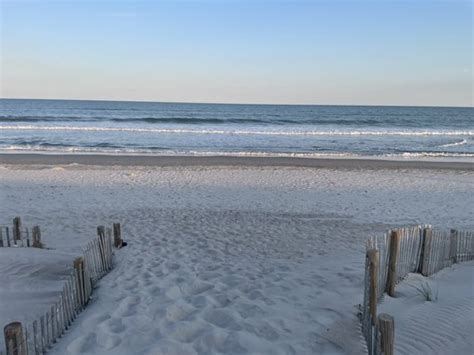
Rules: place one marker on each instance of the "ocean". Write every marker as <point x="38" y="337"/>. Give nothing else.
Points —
<point x="119" y="127"/>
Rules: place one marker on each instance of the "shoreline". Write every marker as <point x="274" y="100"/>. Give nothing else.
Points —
<point x="179" y="161"/>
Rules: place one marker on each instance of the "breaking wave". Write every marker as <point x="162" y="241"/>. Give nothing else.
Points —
<point x="246" y="132"/>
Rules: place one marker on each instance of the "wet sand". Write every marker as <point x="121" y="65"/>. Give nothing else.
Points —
<point x="162" y="161"/>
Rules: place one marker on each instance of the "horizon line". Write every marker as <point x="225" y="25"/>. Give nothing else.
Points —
<point x="235" y="103"/>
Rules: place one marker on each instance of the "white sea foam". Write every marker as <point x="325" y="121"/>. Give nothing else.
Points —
<point x="245" y="132"/>
<point x="464" y="141"/>
<point x="433" y="154"/>
<point x="135" y="151"/>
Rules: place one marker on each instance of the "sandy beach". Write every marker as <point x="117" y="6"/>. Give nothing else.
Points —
<point x="258" y="257"/>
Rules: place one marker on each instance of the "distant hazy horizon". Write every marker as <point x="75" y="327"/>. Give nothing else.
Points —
<point x="231" y="103"/>
<point x="375" y="53"/>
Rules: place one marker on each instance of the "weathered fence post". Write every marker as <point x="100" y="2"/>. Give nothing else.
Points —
<point x="453" y="245"/>
<point x="14" y="341"/>
<point x="54" y="325"/>
<point x="386" y="326"/>
<point x="425" y="263"/>
<point x="61" y="314"/>
<point x="47" y="319"/>
<point x="16" y="229"/>
<point x="42" y="335"/>
<point x="117" y="235"/>
<point x="35" y="338"/>
<point x="373" y="257"/>
<point x="392" y="266"/>
<point x="79" y="267"/>
<point x="36" y="236"/>
<point x="8" y="237"/>
<point x="101" y="234"/>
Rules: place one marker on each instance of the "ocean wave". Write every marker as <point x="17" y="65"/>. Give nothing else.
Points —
<point x="259" y="120"/>
<point x="433" y="154"/>
<point x="336" y="154"/>
<point x="464" y="141"/>
<point x="44" y="118"/>
<point x="170" y="152"/>
<point x="267" y="119"/>
<point x="96" y="147"/>
<point x="150" y="120"/>
<point x="244" y="132"/>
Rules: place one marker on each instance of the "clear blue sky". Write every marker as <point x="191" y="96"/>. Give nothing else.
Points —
<point x="413" y="52"/>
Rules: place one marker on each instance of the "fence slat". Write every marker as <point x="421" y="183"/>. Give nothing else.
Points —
<point x="117" y="235"/>
<point x="61" y="314"/>
<point x="427" y="241"/>
<point x="16" y="229"/>
<point x="14" y="339"/>
<point x="35" y="337"/>
<point x="68" y="303"/>
<point x="37" y="237"/>
<point x="42" y="336"/>
<point x="386" y="327"/>
<point x="26" y="341"/>
<point x="72" y="294"/>
<point x="53" y="323"/>
<point x="392" y="269"/>
<point x="8" y="237"/>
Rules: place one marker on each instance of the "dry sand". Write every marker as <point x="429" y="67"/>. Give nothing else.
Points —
<point x="229" y="259"/>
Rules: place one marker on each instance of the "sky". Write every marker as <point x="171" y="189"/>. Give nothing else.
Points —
<point x="372" y="52"/>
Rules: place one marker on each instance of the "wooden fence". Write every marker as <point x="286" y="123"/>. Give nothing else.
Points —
<point x="39" y="335"/>
<point x="390" y="258"/>
<point x="18" y="236"/>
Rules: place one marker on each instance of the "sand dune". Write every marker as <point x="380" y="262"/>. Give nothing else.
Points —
<point x="443" y="326"/>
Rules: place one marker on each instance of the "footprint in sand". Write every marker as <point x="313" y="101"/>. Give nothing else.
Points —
<point x="179" y="311"/>
<point x="112" y="325"/>
<point x="198" y="288"/>
<point x="146" y="275"/>
<point x="167" y="347"/>
<point x="153" y="290"/>
<point x="262" y="330"/>
<point x="173" y="266"/>
<point x="199" y="301"/>
<point x="254" y="295"/>
<point x="221" y="300"/>
<point x="187" y="332"/>
<point x="222" y="319"/>
<point x="127" y="307"/>
<point x="92" y="321"/>
<point x="108" y="341"/>
<point x="130" y="285"/>
<point x="173" y="292"/>
<point x="232" y="281"/>
<point x="82" y="344"/>
<point x="247" y="310"/>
